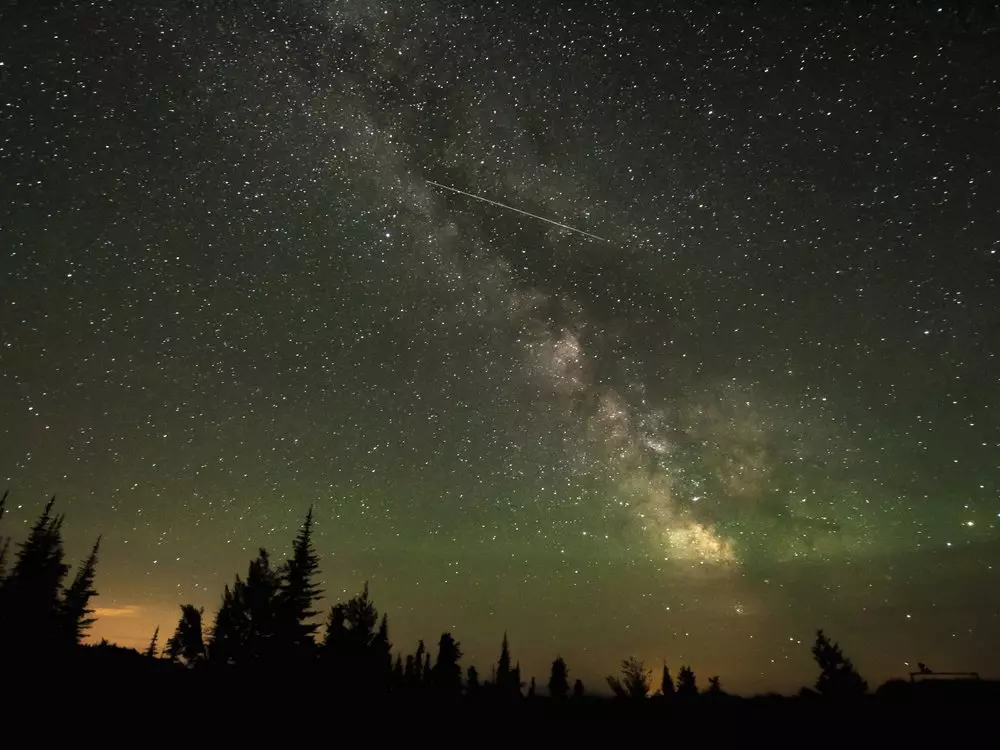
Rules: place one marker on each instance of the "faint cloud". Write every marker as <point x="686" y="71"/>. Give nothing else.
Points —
<point x="129" y="610"/>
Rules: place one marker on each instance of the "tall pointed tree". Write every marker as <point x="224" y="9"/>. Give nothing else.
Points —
<point x="4" y="541"/>
<point x="559" y="679"/>
<point x="418" y="664"/>
<point x="666" y="682"/>
<point x="153" y="648"/>
<point x="76" y="609"/>
<point x="31" y="615"/>
<point x="837" y="678"/>
<point x="446" y="675"/>
<point x="187" y="644"/>
<point x="300" y="592"/>
<point x="508" y="679"/>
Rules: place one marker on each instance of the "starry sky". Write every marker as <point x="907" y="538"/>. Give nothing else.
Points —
<point x="766" y="401"/>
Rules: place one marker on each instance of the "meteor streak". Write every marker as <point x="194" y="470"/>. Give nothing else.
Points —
<point x="526" y="213"/>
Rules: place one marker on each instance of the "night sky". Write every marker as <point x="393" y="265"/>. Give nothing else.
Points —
<point x="766" y="402"/>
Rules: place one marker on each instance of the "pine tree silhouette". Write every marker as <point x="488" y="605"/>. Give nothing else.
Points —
<point x="244" y="630"/>
<point x="634" y="683"/>
<point x="531" y="688"/>
<point x="508" y="679"/>
<point x="837" y="677"/>
<point x="186" y="645"/>
<point x="4" y="542"/>
<point x="472" y="681"/>
<point x="714" y="686"/>
<point x="559" y="679"/>
<point x="397" y="672"/>
<point x="31" y="616"/>
<point x="300" y="592"/>
<point x="353" y="649"/>
<point x="686" y="683"/>
<point x="418" y="665"/>
<point x="228" y="630"/>
<point x="578" y="689"/>
<point x="446" y="675"/>
<point x="153" y="647"/>
<point x="666" y="683"/>
<point x="76" y="609"/>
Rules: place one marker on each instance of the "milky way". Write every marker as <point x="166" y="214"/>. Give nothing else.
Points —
<point x="765" y="403"/>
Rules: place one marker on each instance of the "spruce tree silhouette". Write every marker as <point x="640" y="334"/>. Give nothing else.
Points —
<point x="578" y="689"/>
<point x="4" y="541"/>
<point x="244" y="630"/>
<point x="472" y="681"/>
<point x="446" y="676"/>
<point x="714" y="686"/>
<point x="353" y="650"/>
<point x="228" y="636"/>
<point x="418" y="665"/>
<point x="299" y="594"/>
<point x="153" y="648"/>
<point x="634" y="683"/>
<point x="428" y="671"/>
<point x="559" y="679"/>
<point x="687" y="686"/>
<point x="382" y="651"/>
<point x="531" y="688"/>
<point x="187" y="645"/>
<point x="505" y="680"/>
<point x="31" y="618"/>
<point x="76" y="611"/>
<point x="397" y="673"/>
<point x="837" y="677"/>
<point x="409" y="672"/>
<point x="666" y="683"/>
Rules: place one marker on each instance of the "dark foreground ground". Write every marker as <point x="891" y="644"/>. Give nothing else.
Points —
<point x="122" y="698"/>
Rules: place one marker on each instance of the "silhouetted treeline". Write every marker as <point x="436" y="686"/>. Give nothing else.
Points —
<point x="266" y="630"/>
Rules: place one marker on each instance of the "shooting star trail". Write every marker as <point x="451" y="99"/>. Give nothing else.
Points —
<point x="526" y="213"/>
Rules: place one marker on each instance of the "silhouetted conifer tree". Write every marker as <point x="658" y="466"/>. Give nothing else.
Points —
<point x="447" y="674"/>
<point x="382" y="647"/>
<point x="686" y="684"/>
<point x="531" y="688"/>
<point x="714" y="686"/>
<point x="354" y="649"/>
<point x="634" y="682"/>
<point x="153" y="647"/>
<point x="666" y="683"/>
<point x="837" y="677"/>
<point x="428" y="671"/>
<point x="418" y="664"/>
<point x="76" y="609"/>
<point x="187" y="645"/>
<point x="244" y="630"/>
<point x="4" y="542"/>
<point x="31" y="617"/>
<point x="559" y="679"/>
<point x="578" y="689"/>
<point x="504" y="673"/>
<point x="472" y="681"/>
<point x="300" y="592"/>
<point x="397" y="672"/>
<point x="228" y="631"/>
